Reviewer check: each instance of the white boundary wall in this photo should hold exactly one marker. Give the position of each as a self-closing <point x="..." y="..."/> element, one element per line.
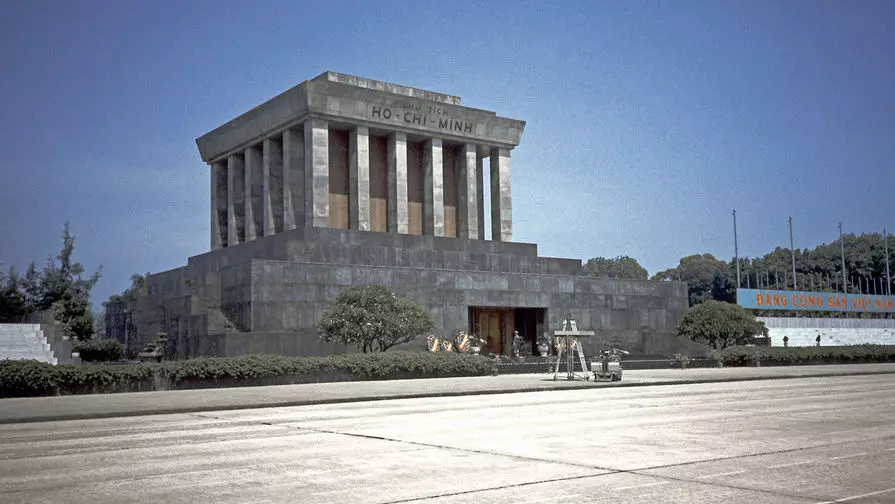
<point x="803" y="331"/>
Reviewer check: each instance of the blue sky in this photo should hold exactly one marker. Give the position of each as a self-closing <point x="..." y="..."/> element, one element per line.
<point x="648" y="122"/>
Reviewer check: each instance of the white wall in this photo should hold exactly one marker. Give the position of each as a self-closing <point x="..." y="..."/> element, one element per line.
<point x="833" y="332"/>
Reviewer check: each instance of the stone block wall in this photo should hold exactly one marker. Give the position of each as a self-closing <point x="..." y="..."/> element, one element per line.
<point x="267" y="295"/>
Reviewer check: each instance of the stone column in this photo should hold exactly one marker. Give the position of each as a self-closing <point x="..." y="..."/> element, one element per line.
<point x="398" y="217"/>
<point x="501" y="198"/>
<point x="359" y="179"/>
<point x="217" y="194"/>
<point x="272" y="173"/>
<point x="467" y="192"/>
<point x="480" y="193"/>
<point x="293" y="178"/>
<point x="253" y="193"/>
<point x="433" y="206"/>
<point x="235" y="199"/>
<point x="316" y="173"/>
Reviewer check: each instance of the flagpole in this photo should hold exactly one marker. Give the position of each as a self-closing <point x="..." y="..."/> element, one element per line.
<point x="736" y="248"/>
<point x="888" y="278"/>
<point x="842" y="249"/>
<point x="792" y="251"/>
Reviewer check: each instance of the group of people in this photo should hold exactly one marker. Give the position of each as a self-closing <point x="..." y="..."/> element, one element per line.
<point x="470" y="343"/>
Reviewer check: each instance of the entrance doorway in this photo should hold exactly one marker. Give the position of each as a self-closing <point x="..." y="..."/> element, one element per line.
<point x="496" y="327"/>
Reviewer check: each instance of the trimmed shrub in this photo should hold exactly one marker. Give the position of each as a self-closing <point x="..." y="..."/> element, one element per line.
<point x="100" y="350"/>
<point x="372" y="366"/>
<point x="32" y="378"/>
<point x="28" y="378"/>
<point x="746" y="355"/>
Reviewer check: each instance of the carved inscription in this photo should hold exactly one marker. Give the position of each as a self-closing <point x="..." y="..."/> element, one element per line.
<point x="433" y="116"/>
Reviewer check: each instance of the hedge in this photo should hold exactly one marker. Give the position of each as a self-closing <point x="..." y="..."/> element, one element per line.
<point x="32" y="378"/>
<point x="746" y="355"/>
<point x="100" y="350"/>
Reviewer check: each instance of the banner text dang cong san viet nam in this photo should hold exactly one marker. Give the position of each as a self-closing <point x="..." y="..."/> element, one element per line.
<point x="761" y="299"/>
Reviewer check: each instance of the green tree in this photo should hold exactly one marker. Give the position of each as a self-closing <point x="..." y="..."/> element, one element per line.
<point x="617" y="267"/>
<point x="373" y="319"/>
<point x="64" y="289"/>
<point x="720" y="324"/>
<point x="29" y="286"/>
<point x="707" y="278"/>
<point x="12" y="303"/>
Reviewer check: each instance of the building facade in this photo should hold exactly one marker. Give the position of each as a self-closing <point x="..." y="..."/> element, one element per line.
<point x="343" y="180"/>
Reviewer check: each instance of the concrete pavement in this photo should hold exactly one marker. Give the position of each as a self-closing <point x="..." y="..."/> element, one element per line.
<point x="186" y="401"/>
<point x="798" y="441"/>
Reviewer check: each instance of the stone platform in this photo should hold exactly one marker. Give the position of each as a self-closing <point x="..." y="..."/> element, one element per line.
<point x="265" y="296"/>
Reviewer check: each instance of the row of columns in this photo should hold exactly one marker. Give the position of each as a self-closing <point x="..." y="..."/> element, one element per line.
<point x="284" y="182"/>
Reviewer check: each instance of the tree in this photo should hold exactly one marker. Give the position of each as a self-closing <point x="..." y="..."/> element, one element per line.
<point x="62" y="289"/>
<point x="30" y="285"/>
<point x="720" y="324"/>
<point x="617" y="267"/>
<point x="373" y="319"/>
<point x="706" y="277"/>
<point x="12" y="304"/>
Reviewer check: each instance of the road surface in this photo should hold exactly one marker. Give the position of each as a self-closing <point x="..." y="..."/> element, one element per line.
<point x="794" y="441"/>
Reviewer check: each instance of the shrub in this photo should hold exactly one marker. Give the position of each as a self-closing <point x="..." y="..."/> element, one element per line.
<point x="32" y="378"/>
<point x="102" y="350"/>
<point x="27" y="378"/>
<point x="745" y="355"/>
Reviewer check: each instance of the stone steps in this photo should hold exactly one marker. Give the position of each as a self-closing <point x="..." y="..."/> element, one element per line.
<point x="25" y="342"/>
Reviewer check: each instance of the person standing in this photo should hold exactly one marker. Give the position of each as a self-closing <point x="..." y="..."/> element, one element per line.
<point x="517" y="344"/>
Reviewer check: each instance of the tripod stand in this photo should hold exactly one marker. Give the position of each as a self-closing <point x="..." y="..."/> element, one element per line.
<point x="567" y="341"/>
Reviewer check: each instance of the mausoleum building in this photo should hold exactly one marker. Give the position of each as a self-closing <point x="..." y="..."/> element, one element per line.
<point x="343" y="180"/>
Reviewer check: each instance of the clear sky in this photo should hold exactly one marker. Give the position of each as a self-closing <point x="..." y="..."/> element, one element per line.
<point x="648" y="122"/>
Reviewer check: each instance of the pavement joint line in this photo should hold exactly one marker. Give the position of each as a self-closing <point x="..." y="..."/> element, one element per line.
<point x="69" y="485"/>
<point x="735" y="457"/>
<point x="466" y="450"/>
<point x="657" y="483"/>
<point x="490" y="489"/>
<point x="853" y="455"/>
<point x="606" y="471"/>
<point x="738" y="487"/>
<point x="421" y="395"/>
<point x="548" y="499"/>
<point x="718" y="475"/>
<point x="91" y="450"/>
<point x="791" y="464"/>
<point x="855" y="497"/>
<point x="292" y="426"/>
<point x="775" y="493"/>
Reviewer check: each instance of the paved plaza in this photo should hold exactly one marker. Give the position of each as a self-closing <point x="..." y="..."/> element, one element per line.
<point x="803" y="440"/>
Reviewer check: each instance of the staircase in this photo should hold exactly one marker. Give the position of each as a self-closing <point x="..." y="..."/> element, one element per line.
<point x="24" y="342"/>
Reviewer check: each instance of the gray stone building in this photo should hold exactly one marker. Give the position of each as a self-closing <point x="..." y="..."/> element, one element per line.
<point x="342" y="181"/>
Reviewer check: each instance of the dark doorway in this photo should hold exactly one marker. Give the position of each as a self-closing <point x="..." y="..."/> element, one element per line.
<point x="496" y="326"/>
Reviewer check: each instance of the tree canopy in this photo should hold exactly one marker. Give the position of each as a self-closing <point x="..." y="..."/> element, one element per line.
<point x="720" y="324"/>
<point x="818" y="269"/>
<point x="706" y="277"/>
<point x="616" y="267"/>
<point x="61" y="286"/>
<point x="373" y="319"/>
